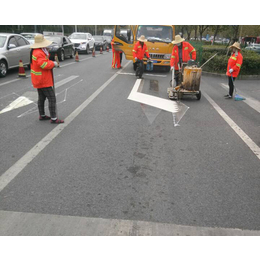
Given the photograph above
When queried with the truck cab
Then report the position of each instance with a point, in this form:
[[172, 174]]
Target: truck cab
[[159, 38]]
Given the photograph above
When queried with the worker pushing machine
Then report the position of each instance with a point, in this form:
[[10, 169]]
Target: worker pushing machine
[[140, 49], [116, 56], [181, 53]]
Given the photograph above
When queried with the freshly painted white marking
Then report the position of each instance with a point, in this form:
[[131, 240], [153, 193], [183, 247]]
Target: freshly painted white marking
[[15, 169], [64, 81], [253, 103], [164, 104], [35, 224], [19, 102], [133, 74], [248, 141]]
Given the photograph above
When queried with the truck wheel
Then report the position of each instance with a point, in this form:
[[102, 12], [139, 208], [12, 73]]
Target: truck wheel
[[198, 95]]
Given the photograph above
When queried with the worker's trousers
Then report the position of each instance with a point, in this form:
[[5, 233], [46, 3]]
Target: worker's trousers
[[116, 60], [231, 85]]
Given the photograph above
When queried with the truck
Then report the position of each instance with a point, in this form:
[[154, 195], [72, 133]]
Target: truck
[[159, 42]]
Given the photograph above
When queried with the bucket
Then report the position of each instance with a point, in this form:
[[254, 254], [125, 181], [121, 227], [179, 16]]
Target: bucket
[[149, 66]]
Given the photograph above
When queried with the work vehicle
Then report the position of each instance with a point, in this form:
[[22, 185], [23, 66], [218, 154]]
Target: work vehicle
[[83, 42], [13, 47], [100, 41], [62, 46], [159, 38]]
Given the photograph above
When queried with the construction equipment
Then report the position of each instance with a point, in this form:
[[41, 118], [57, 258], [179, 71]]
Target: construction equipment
[[189, 77]]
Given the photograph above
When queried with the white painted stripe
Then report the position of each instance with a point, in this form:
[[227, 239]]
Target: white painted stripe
[[253, 103], [64, 81], [248, 141], [133, 74], [161, 103], [14, 170], [19, 102], [34, 224], [7, 82]]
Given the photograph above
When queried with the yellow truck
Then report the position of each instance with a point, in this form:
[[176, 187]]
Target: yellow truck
[[159, 38]]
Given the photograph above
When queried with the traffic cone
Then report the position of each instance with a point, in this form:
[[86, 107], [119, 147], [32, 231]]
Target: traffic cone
[[57, 60], [21, 69], [107, 48], [101, 50], [77, 56], [93, 53]]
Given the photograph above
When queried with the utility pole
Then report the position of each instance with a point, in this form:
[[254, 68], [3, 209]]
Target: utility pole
[[76, 28], [95, 30]]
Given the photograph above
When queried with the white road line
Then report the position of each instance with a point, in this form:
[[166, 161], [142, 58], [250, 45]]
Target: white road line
[[248, 141], [15, 169], [133, 74], [34, 224], [164, 104], [10, 81], [252, 102]]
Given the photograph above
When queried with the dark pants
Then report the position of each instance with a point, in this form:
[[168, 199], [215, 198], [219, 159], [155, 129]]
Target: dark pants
[[231, 85], [48, 93], [139, 68], [178, 77]]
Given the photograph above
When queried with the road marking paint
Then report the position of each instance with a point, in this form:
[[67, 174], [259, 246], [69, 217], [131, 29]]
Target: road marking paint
[[33, 223], [15, 169], [64, 81], [7, 82], [164, 104], [133, 74], [248, 141], [253, 103], [19, 102]]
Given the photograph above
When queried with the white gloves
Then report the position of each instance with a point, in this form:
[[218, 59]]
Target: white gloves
[[172, 68], [135, 58], [56, 64], [230, 71]]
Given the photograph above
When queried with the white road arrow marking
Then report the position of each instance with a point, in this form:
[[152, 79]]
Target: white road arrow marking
[[19, 102]]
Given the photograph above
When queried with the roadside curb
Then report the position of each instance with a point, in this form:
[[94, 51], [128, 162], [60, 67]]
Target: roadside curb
[[243, 77]]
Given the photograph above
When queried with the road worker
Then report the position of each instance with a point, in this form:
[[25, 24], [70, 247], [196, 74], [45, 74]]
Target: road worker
[[42, 78], [140, 50], [116, 60], [181, 53], [234, 65]]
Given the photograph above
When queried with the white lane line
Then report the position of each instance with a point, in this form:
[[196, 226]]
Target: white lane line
[[7, 82], [133, 74], [248, 141], [64, 81], [252, 102], [35, 224], [15, 169], [164, 104]]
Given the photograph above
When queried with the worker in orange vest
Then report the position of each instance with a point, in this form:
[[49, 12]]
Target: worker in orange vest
[[116, 56], [140, 50], [233, 68], [42, 78], [181, 53]]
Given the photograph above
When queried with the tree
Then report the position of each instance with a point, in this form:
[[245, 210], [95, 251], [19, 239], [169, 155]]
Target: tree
[[202, 29]]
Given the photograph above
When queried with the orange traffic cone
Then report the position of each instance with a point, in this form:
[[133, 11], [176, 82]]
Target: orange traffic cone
[[101, 50], [93, 53], [57, 60], [21, 69], [77, 56], [107, 48]]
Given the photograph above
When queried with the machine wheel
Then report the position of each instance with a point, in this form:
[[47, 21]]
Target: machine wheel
[[3, 69], [198, 95]]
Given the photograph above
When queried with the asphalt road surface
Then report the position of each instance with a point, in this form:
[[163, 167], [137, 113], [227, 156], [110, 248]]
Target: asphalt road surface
[[121, 167]]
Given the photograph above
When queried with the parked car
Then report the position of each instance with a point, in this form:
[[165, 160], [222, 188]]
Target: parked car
[[254, 47], [29, 37], [108, 39], [83, 42], [100, 41], [13, 47], [61, 46]]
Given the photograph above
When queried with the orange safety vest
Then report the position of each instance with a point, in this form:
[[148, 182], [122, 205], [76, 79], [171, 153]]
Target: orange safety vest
[[41, 74], [139, 52], [235, 63], [187, 49]]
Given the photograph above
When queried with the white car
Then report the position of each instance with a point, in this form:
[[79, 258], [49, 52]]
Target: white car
[[83, 42], [13, 47]]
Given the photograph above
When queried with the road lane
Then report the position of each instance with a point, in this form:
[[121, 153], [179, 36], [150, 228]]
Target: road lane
[[113, 163]]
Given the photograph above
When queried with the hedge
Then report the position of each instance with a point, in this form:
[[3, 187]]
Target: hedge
[[250, 66]]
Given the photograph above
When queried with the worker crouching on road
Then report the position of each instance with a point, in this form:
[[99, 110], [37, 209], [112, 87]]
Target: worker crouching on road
[[181, 53], [233, 68], [116, 61], [140, 49], [42, 78]]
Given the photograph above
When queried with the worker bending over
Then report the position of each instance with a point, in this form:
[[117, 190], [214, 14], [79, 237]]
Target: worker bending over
[[140, 49], [181, 53], [116, 61]]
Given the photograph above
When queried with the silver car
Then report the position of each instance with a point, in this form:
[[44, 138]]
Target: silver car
[[13, 47]]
